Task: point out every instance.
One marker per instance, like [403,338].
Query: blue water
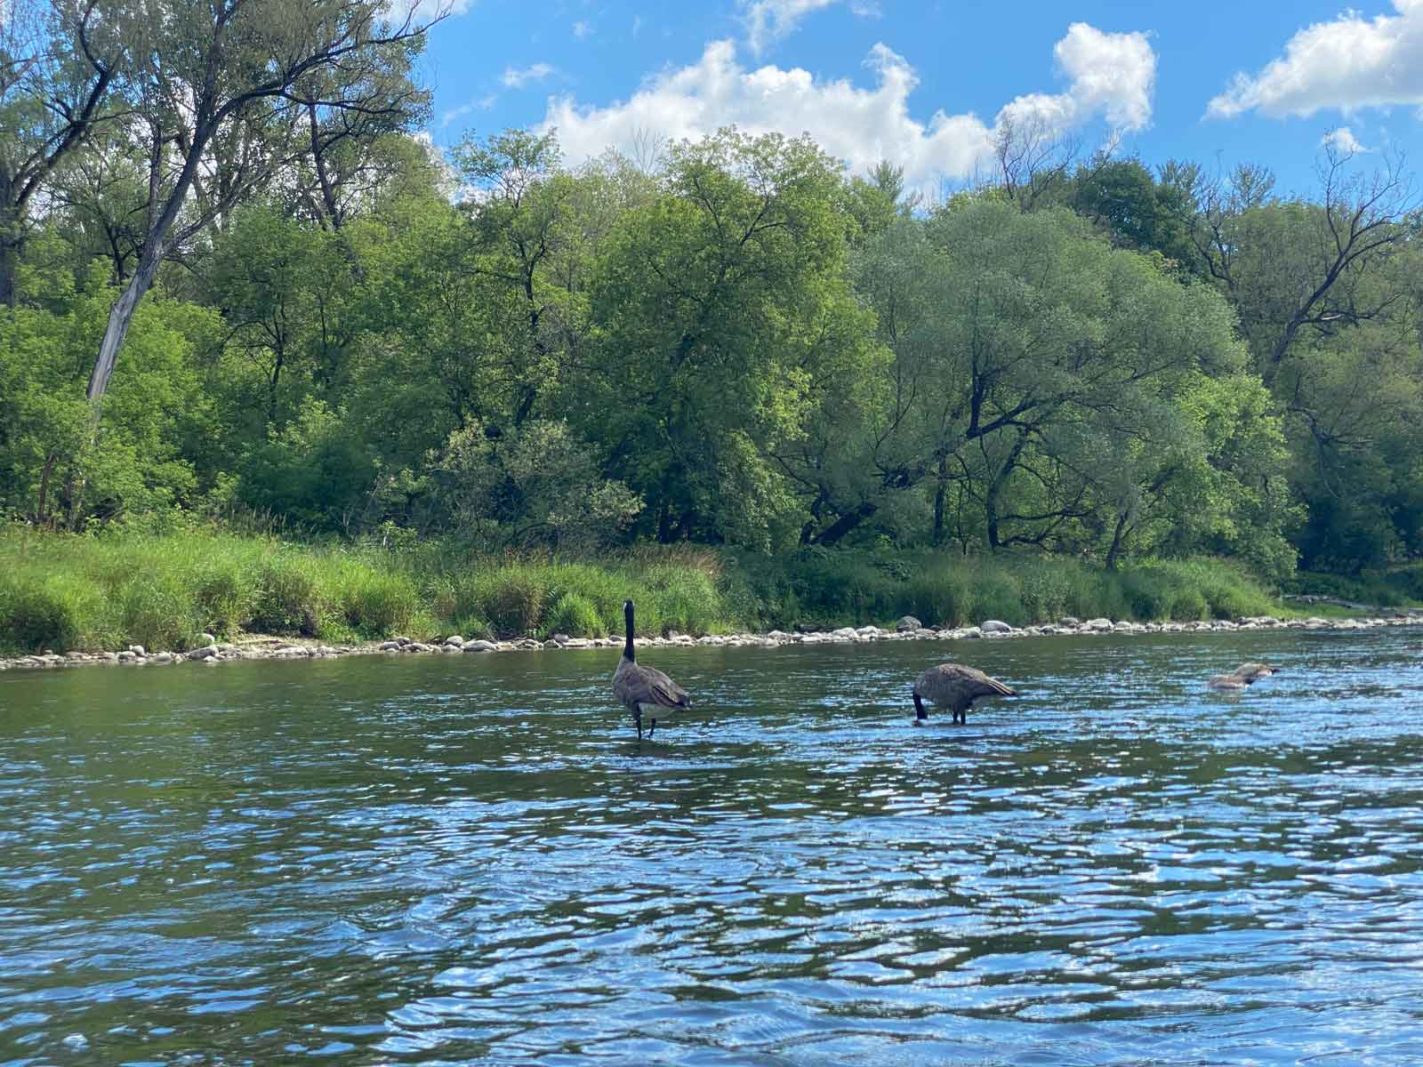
[470,859]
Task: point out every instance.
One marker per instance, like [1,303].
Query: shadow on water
[471,859]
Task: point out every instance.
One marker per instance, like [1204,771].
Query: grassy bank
[104,592]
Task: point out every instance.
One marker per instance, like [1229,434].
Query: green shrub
[681,599]
[373,604]
[574,615]
[39,615]
[155,610]
[512,601]
[1188,605]
[940,597]
[996,595]
[288,600]
[223,599]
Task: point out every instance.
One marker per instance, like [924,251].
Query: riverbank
[269,648]
[95,598]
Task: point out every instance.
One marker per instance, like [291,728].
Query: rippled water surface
[470,859]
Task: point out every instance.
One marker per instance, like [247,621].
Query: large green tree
[723,326]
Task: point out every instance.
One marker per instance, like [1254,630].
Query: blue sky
[927,83]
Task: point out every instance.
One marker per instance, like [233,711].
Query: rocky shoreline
[907,629]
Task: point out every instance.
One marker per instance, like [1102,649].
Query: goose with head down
[1244,676]
[640,688]
[956,687]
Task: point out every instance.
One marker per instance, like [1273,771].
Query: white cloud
[582,28]
[1342,141]
[479,103]
[399,11]
[518,77]
[767,21]
[1110,75]
[1350,63]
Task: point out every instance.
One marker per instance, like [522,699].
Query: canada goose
[954,686]
[1244,676]
[638,687]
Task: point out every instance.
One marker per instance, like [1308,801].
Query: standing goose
[639,687]
[1244,676]
[954,686]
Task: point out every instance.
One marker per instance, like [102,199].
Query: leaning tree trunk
[10,241]
[1119,534]
[149,260]
[9,263]
[117,329]
[940,491]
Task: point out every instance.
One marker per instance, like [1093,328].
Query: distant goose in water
[638,687]
[1244,676]
[954,686]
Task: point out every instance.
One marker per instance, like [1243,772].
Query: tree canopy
[344,332]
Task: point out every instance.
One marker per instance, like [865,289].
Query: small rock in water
[77,1042]
[908,623]
[137,650]
[1099,625]
[1070,622]
[995,626]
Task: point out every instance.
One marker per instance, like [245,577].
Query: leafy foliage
[741,348]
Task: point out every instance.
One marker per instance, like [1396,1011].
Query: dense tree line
[236,281]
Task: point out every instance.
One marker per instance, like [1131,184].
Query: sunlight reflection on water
[470,859]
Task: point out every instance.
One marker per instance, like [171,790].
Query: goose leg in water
[637,721]
[653,730]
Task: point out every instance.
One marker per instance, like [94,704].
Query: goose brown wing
[948,679]
[663,691]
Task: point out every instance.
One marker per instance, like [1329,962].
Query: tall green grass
[1393,587]
[63,591]
[165,590]
[819,589]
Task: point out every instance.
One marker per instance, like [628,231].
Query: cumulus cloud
[582,28]
[518,77]
[1350,63]
[399,11]
[767,21]
[1110,76]
[1342,141]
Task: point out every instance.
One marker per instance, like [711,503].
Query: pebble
[274,648]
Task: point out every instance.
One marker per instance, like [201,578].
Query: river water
[471,859]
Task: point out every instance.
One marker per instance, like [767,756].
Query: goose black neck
[628,652]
